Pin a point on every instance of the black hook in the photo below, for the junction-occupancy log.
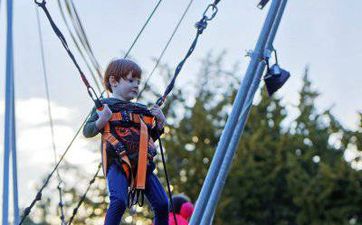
(40, 3)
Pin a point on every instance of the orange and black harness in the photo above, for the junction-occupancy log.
(201, 26)
(137, 181)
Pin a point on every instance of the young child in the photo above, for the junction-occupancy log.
(183, 209)
(128, 134)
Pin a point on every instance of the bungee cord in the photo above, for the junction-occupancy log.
(143, 28)
(201, 26)
(38, 196)
(80, 33)
(165, 48)
(75, 210)
(90, 91)
(50, 117)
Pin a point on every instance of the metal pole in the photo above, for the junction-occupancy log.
(8, 112)
(225, 168)
(14, 155)
(234, 117)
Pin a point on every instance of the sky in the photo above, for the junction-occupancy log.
(323, 34)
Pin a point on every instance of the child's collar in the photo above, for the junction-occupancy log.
(121, 100)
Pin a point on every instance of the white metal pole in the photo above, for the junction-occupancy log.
(225, 168)
(231, 123)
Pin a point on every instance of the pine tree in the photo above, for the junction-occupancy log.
(293, 174)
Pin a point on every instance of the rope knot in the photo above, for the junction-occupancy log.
(201, 25)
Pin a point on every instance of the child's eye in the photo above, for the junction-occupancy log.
(133, 80)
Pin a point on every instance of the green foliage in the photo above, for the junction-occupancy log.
(297, 176)
(283, 172)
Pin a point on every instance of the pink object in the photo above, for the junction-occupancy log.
(179, 218)
(185, 214)
(186, 210)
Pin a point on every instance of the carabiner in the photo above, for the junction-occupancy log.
(214, 12)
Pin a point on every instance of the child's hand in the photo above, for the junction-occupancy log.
(104, 116)
(157, 112)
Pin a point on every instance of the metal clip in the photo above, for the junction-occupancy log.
(249, 53)
(262, 4)
(267, 54)
(213, 14)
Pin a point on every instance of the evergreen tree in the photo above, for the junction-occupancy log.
(281, 174)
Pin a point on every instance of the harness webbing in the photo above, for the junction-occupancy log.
(92, 94)
(126, 164)
(201, 26)
(142, 156)
(137, 184)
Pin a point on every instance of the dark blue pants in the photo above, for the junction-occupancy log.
(118, 186)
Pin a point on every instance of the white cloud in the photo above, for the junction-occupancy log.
(34, 145)
(34, 111)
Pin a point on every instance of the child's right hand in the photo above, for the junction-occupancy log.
(105, 114)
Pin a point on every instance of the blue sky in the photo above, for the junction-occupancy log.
(323, 34)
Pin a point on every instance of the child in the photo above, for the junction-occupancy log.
(128, 134)
(183, 210)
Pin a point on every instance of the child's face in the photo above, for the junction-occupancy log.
(127, 89)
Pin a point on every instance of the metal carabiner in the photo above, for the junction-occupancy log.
(40, 3)
(214, 12)
(94, 97)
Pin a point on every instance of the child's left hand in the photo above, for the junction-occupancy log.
(157, 112)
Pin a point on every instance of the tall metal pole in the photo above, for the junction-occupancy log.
(234, 117)
(9, 134)
(14, 156)
(225, 168)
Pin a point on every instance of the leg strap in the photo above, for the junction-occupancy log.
(142, 156)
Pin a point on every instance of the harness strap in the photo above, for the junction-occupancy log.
(140, 179)
(111, 139)
(142, 155)
(116, 116)
(126, 164)
(107, 128)
(127, 168)
(149, 120)
(104, 157)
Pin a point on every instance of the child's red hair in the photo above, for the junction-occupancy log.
(120, 68)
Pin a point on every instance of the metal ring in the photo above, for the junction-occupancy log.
(215, 10)
(42, 3)
(92, 93)
(160, 101)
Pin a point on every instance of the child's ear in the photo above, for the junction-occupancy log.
(112, 81)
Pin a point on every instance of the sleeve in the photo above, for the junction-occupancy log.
(90, 129)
